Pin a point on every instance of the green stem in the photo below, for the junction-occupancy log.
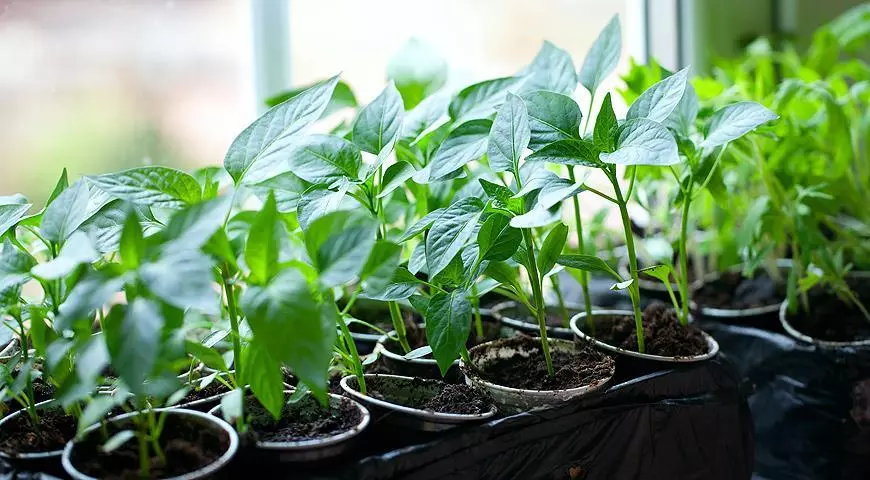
(633, 289)
(554, 279)
(478, 322)
(354, 354)
(234, 321)
(463, 353)
(537, 291)
(684, 260)
(399, 326)
(584, 276)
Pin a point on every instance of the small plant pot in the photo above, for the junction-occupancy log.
(824, 344)
(403, 389)
(308, 450)
(512, 400)
(72, 462)
(631, 363)
(48, 461)
(518, 317)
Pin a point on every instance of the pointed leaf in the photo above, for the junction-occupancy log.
(450, 232)
(264, 242)
(448, 322)
(463, 145)
(497, 240)
(184, 279)
(78, 250)
(263, 373)
(133, 337)
(606, 127)
(643, 142)
(509, 136)
(552, 69)
(339, 244)
(568, 152)
(552, 247)
(479, 100)
(324, 159)
(734, 121)
(132, 246)
(157, 186)
(659, 101)
(602, 57)
(379, 122)
(402, 285)
(552, 117)
(418, 72)
(395, 176)
(587, 263)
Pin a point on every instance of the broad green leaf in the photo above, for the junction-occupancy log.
(324, 159)
(156, 186)
(380, 122)
(659, 101)
(208, 356)
(588, 263)
(497, 240)
(395, 176)
(293, 326)
(381, 265)
(287, 188)
(504, 274)
(106, 225)
(263, 373)
(339, 244)
(117, 440)
(571, 151)
(15, 266)
(479, 100)
(132, 246)
(342, 97)
(606, 127)
(402, 285)
(509, 135)
(192, 227)
(448, 322)
(11, 213)
(682, 119)
(418, 72)
(643, 142)
(231, 405)
(264, 243)
(426, 117)
(133, 337)
(463, 145)
(602, 57)
(502, 196)
(69, 210)
(538, 216)
(273, 132)
(78, 250)
(91, 292)
(450, 232)
(552, 117)
(184, 279)
(318, 201)
(734, 121)
(552, 189)
(552, 247)
(421, 225)
(661, 272)
(552, 69)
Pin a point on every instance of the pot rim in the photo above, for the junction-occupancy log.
(320, 442)
(203, 472)
(574, 391)
(427, 415)
(712, 344)
(720, 312)
(496, 312)
(795, 333)
(30, 455)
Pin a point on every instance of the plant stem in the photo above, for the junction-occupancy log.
(399, 326)
(234, 322)
(354, 354)
(561, 299)
(633, 290)
(475, 302)
(541, 309)
(684, 260)
(463, 353)
(584, 276)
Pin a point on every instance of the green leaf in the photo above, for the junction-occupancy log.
(78, 250)
(552, 247)
(132, 246)
(450, 232)
(264, 243)
(342, 97)
(133, 337)
(479, 100)
(552, 189)
(339, 244)
(273, 132)
(402, 285)
(117, 440)
(91, 292)
(682, 119)
(395, 176)
(552, 117)
(606, 126)
(602, 57)
(287, 188)
(568, 152)
(231, 405)
(381, 265)
(552, 69)
(421, 225)
(418, 71)
(70, 210)
(208, 356)
(643, 142)
(318, 201)
(184, 279)
(503, 196)
(96, 410)
(661, 272)
(379, 123)
(463, 145)
(10, 214)
(106, 225)
(538, 216)
(288, 304)
(497, 240)
(509, 135)
(588, 263)
(504, 274)
(155, 186)
(659, 101)
(15, 266)
(448, 322)
(192, 227)
(324, 159)
(426, 117)
(734, 121)
(263, 373)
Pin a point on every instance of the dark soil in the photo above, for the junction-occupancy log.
(584, 366)
(210, 390)
(662, 332)
(554, 315)
(733, 290)
(55, 429)
(187, 445)
(306, 419)
(830, 318)
(433, 395)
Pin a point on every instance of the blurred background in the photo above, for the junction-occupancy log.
(100, 85)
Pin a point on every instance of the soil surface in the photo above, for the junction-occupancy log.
(187, 444)
(55, 429)
(554, 315)
(663, 335)
(433, 395)
(733, 290)
(830, 318)
(210, 390)
(41, 392)
(306, 419)
(584, 366)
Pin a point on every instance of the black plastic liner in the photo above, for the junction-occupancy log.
(811, 405)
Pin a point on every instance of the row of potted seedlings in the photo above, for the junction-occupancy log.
(164, 322)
